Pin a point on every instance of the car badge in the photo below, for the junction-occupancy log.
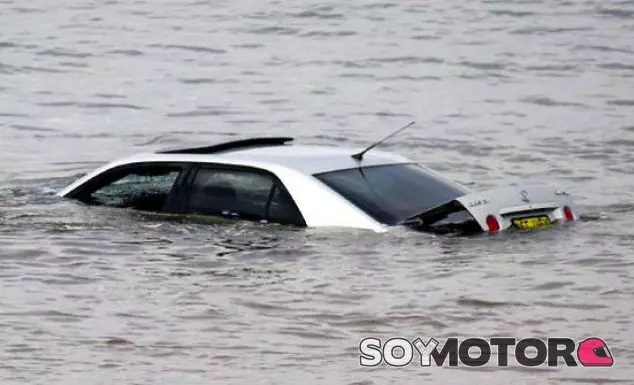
(524, 196)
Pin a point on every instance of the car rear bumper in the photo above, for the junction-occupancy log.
(508, 206)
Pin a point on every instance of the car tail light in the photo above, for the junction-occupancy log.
(570, 216)
(493, 223)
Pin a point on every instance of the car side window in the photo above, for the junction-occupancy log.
(282, 209)
(144, 188)
(240, 194)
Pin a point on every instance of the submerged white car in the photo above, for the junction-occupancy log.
(270, 180)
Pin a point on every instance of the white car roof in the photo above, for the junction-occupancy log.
(307, 159)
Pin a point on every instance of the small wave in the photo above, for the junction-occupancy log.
(552, 285)
(192, 48)
(126, 52)
(27, 10)
(23, 127)
(620, 102)
(382, 5)
(383, 114)
(593, 380)
(592, 217)
(514, 114)
(408, 60)
(91, 105)
(333, 138)
(245, 121)
(312, 335)
(6, 44)
(474, 302)
(249, 45)
(43, 69)
(487, 66)
(274, 101)
(202, 112)
(620, 208)
(617, 12)
(352, 75)
(603, 48)
(13, 115)
(508, 12)
(621, 143)
(525, 158)
(412, 78)
(345, 64)
(117, 341)
(74, 65)
(56, 104)
(108, 96)
(548, 31)
(616, 66)
(426, 37)
(315, 14)
(8, 69)
(570, 305)
(207, 81)
(58, 52)
(47, 314)
(552, 67)
(328, 34)
(544, 101)
(275, 30)
(112, 105)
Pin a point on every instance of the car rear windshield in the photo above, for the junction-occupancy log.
(392, 193)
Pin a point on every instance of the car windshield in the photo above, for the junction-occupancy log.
(392, 193)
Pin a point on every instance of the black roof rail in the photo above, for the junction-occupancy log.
(233, 145)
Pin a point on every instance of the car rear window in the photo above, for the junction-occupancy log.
(392, 193)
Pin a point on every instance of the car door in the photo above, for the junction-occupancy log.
(240, 193)
(141, 186)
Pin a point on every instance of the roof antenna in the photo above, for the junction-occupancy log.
(359, 156)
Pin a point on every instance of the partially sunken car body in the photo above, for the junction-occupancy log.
(269, 180)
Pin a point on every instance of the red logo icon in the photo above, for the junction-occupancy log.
(594, 352)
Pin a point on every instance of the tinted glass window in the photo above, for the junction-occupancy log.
(142, 189)
(283, 210)
(392, 193)
(239, 194)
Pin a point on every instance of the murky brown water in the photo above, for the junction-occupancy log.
(504, 92)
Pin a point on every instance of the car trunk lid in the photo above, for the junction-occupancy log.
(509, 206)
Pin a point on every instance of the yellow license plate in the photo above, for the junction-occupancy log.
(532, 223)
